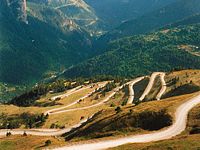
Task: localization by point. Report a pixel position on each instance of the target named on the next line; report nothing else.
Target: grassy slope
(183, 141)
(66, 119)
(11, 109)
(27, 143)
(190, 142)
(108, 119)
(139, 88)
(108, 124)
(139, 55)
(109, 114)
(155, 89)
(182, 82)
(178, 83)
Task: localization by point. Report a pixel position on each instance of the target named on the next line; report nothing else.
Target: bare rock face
(18, 8)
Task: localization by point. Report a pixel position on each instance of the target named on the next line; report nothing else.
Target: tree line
(27, 119)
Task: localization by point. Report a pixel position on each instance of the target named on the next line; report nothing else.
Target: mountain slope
(27, 51)
(114, 12)
(77, 11)
(137, 55)
(154, 20)
(186, 21)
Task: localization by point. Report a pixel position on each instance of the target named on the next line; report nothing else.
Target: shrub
(149, 120)
(24, 134)
(195, 130)
(8, 134)
(47, 142)
(118, 109)
(124, 102)
(52, 125)
(112, 105)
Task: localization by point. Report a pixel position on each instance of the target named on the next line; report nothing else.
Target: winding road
(131, 90)
(94, 105)
(178, 126)
(75, 90)
(163, 88)
(53, 132)
(42, 132)
(150, 85)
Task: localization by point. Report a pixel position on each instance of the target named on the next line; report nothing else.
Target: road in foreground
(178, 126)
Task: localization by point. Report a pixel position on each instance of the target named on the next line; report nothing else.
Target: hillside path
(176, 128)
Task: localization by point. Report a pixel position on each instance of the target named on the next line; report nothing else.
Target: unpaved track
(53, 132)
(72, 91)
(75, 90)
(41, 132)
(131, 90)
(164, 86)
(178, 126)
(94, 105)
(150, 85)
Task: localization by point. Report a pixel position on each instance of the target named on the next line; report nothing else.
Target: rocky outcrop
(18, 8)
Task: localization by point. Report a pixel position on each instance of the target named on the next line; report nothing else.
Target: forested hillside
(186, 21)
(48, 42)
(151, 21)
(115, 12)
(40, 39)
(138, 55)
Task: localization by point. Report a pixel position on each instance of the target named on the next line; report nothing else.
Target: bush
(8, 134)
(47, 142)
(24, 134)
(124, 102)
(52, 125)
(149, 120)
(27, 119)
(130, 111)
(195, 130)
(118, 109)
(137, 102)
(112, 105)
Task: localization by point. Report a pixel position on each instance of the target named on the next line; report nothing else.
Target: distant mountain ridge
(115, 12)
(139, 55)
(154, 20)
(194, 19)
(77, 11)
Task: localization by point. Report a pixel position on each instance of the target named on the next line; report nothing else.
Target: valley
(109, 74)
(139, 55)
(60, 36)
